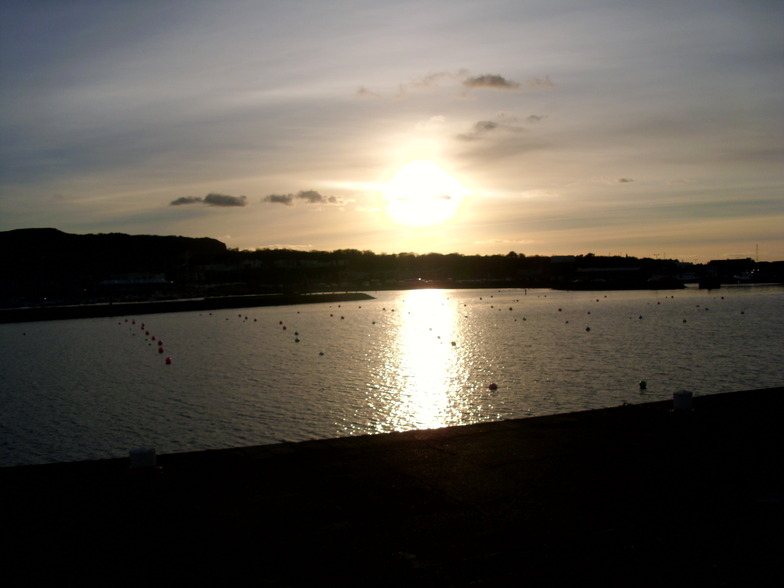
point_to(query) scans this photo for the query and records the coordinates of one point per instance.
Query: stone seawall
(640, 495)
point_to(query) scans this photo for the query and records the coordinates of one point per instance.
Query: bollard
(142, 458)
(681, 400)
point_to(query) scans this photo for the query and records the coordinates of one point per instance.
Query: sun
(421, 194)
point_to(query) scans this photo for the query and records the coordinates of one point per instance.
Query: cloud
(498, 138)
(364, 93)
(224, 200)
(211, 199)
(186, 200)
(491, 82)
(536, 118)
(309, 196)
(432, 123)
(540, 83)
(624, 180)
(429, 81)
(462, 77)
(484, 128)
(286, 199)
(504, 242)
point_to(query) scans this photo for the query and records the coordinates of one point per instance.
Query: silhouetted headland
(43, 267)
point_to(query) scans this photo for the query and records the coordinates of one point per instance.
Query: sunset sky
(541, 127)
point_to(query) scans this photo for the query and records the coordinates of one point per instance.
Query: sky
(544, 127)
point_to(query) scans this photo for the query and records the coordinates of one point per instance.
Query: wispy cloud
(211, 199)
(364, 93)
(544, 83)
(484, 128)
(464, 79)
(431, 80)
(307, 196)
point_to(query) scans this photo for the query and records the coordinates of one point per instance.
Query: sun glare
(422, 193)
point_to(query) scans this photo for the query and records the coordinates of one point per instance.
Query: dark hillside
(50, 264)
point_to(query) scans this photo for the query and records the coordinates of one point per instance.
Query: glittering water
(94, 388)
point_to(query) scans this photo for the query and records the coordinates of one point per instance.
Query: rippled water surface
(94, 388)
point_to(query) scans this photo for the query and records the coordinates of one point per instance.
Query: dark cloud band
(309, 196)
(211, 199)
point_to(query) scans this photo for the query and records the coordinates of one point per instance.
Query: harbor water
(96, 388)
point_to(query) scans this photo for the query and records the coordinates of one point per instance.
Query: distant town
(51, 267)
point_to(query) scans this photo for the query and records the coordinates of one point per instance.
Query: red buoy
(493, 386)
(168, 360)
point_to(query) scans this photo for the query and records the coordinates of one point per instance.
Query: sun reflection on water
(424, 371)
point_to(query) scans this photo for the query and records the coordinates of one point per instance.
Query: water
(94, 388)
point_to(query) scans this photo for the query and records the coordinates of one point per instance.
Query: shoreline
(47, 313)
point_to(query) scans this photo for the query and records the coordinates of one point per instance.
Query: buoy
(643, 384)
(168, 360)
(160, 349)
(587, 328)
(321, 353)
(296, 340)
(493, 386)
